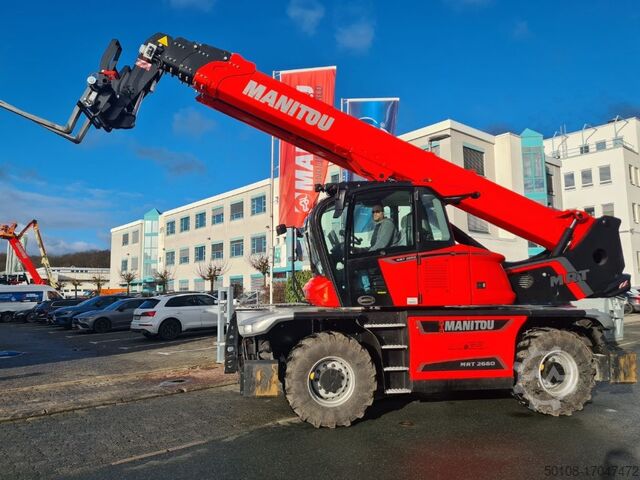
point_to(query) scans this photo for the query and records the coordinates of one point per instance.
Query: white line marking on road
(160, 452)
(147, 345)
(112, 340)
(629, 343)
(186, 350)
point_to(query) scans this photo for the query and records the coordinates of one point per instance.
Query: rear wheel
(330, 380)
(628, 308)
(102, 325)
(555, 371)
(6, 317)
(169, 329)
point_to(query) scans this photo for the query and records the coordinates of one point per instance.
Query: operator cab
(391, 244)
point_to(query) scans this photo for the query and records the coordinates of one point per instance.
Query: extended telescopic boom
(229, 83)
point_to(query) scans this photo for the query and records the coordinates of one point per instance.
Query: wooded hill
(90, 258)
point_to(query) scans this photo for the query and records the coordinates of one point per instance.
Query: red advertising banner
(300, 170)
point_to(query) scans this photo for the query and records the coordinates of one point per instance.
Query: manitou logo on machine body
(288, 105)
(569, 277)
(468, 325)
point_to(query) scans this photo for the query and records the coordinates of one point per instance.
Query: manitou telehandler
(433, 309)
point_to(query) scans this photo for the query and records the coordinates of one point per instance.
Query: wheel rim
(558, 373)
(171, 329)
(331, 381)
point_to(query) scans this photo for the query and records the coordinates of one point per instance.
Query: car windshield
(116, 305)
(89, 302)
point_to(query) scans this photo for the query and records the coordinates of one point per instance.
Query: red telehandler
(431, 310)
(8, 233)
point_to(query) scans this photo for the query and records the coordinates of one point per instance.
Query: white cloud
(200, 5)
(306, 14)
(176, 163)
(521, 30)
(356, 37)
(58, 246)
(460, 5)
(190, 122)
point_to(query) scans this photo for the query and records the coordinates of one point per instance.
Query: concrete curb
(41, 400)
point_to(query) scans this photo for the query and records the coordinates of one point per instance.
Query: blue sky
(496, 65)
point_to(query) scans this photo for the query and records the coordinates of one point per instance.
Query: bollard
(225, 312)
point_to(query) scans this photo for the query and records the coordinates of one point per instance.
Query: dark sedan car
(43, 311)
(63, 317)
(118, 315)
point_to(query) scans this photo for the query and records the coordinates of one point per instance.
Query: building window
(170, 258)
(199, 254)
(217, 250)
(183, 285)
(607, 209)
(618, 142)
(259, 244)
(198, 284)
(473, 160)
(638, 260)
(476, 224)
(601, 145)
(217, 215)
(171, 227)
(125, 239)
(123, 265)
(634, 211)
(584, 149)
(258, 205)
(605, 174)
(185, 224)
(135, 237)
(134, 263)
(590, 210)
(237, 284)
(237, 248)
(631, 175)
(569, 181)
(335, 178)
(184, 255)
(587, 179)
(237, 210)
(201, 220)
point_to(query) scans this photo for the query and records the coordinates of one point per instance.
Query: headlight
(245, 329)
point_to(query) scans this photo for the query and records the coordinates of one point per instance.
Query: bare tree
(261, 263)
(211, 271)
(98, 280)
(75, 283)
(128, 278)
(163, 278)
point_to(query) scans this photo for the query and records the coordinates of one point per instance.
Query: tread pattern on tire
(308, 352)
(539, 339)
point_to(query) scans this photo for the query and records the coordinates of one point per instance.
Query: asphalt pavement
(215, 433)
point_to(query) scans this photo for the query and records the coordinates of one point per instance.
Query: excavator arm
(227, 82)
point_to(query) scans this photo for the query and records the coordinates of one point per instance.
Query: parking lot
(58, 370)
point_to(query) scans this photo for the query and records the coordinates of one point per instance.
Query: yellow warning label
(164, 41)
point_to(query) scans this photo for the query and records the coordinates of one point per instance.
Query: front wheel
(628, 308)
(330, 380)
(102, 325)
(555, 371)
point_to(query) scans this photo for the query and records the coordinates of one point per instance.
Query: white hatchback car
(167, 316)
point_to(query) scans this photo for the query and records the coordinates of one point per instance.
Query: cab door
(382, 260)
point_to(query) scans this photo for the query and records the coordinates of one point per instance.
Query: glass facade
(537, 178)
(150, 245)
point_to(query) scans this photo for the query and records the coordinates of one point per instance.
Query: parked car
(118, 315)
(166, 316)
(632, 301)
(22, 315)
(42, 311)
(14, 298)
(63, 317)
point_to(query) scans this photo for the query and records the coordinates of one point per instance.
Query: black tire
(6, 317)
(169, 329)
(149, 334)
(349, 380)
(102, 325)
(628, 308)
(554, 371)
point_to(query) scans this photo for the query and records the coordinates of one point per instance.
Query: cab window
(433, 225)
(382, 221)
(333, 233)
